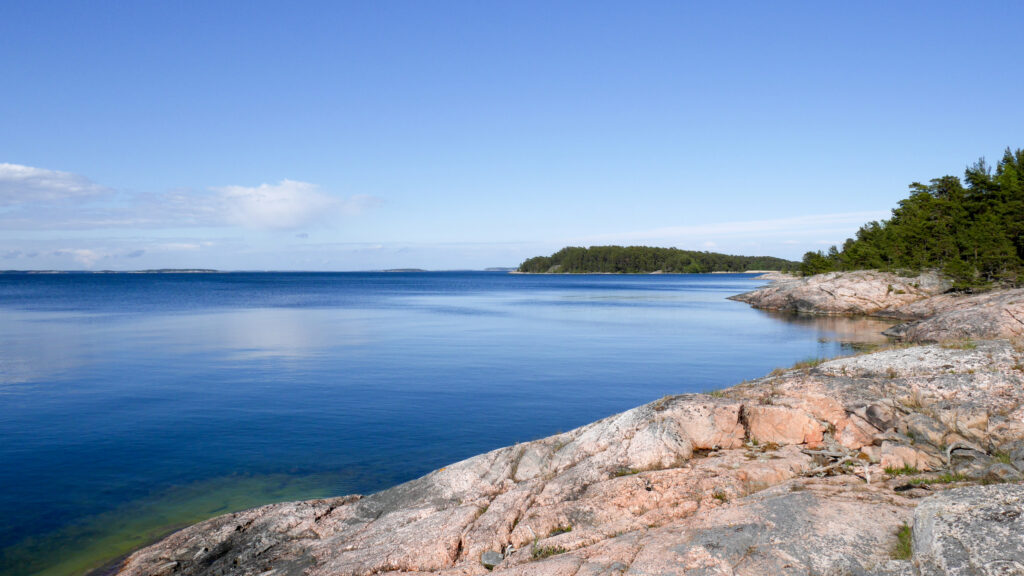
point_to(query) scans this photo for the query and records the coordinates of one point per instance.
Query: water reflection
(44, 346)
(843, 329)
(273, 332)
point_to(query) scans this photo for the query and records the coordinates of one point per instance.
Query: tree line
(645, 259)
(972, 229)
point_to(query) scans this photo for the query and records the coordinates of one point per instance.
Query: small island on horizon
(649, 260)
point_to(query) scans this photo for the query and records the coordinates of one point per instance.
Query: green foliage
(546, 551)
(809, 363)
(973, 233)
(645, 259)
(906, 470)
(904, 544)
(560, 530)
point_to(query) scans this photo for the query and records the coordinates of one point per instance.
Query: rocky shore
(931, 313)
(907, 460)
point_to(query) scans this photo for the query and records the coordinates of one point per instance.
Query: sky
(462, 135)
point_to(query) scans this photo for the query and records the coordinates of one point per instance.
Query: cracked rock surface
(783, 475)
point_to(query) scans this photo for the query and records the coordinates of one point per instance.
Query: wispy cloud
(40, 199)
(286, 205)
(28, 185)
(83, 256)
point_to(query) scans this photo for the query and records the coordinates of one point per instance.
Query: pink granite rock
(670, 487)
(783, 425)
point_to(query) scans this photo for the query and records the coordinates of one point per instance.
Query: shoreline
(761, 273)
(814, 431)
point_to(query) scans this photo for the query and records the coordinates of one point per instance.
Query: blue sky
(347, 136)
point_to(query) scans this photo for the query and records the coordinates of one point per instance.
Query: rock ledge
(810, 470)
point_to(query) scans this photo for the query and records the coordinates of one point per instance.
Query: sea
(135, 404)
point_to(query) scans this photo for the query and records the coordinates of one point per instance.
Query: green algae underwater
(95, 544)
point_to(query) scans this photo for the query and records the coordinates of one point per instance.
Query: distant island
(647, 260)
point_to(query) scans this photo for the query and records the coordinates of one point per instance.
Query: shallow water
(133, 404)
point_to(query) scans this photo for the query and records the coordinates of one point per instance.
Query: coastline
(739, 453)
(765, 274)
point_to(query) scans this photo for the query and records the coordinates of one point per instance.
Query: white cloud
(285, 205)
(39, 199)
(26, 184)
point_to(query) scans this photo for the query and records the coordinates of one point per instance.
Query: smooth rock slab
(973, 531)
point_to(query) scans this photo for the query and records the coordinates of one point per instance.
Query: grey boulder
(973, 531)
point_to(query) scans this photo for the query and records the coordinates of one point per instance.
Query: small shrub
(720, 496)
(1002, 457)
(624, 471)
(904, 540)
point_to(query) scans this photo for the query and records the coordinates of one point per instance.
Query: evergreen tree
(972, 232)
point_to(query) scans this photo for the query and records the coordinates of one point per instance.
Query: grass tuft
(546, 551)
(906, 470)
(560, 530)
(809, 363)
(904, 540)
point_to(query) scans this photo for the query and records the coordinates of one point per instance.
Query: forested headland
(971, 230)
(645, 259)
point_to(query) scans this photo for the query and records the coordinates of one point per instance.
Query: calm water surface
(133, 404)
